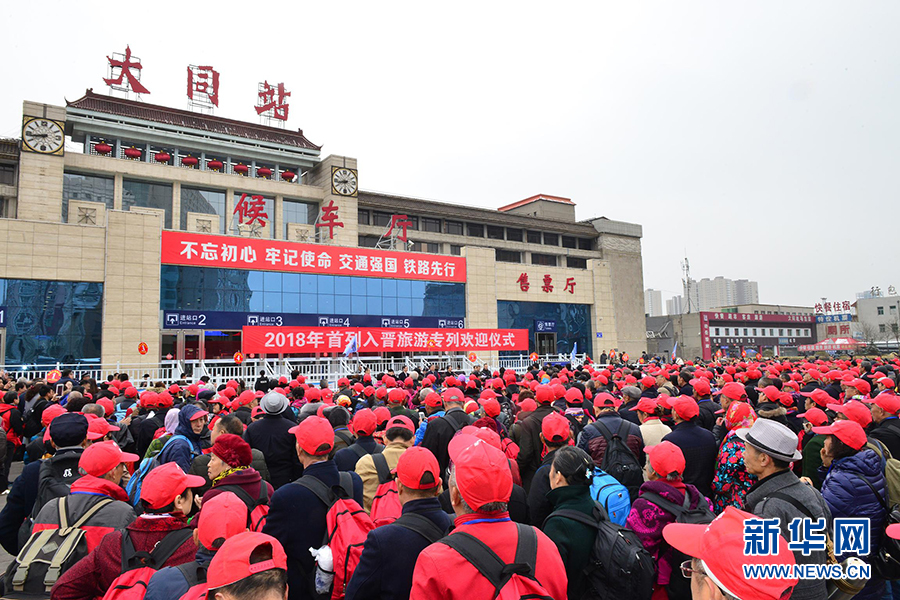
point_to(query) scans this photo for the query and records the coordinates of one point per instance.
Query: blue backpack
(148, 464)
(612, 495)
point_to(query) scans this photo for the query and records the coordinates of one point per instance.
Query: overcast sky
(761, 138)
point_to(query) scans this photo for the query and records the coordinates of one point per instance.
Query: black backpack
(55, 479)
(679, 587)
(49, 553)
(618, 459)
(620, 568)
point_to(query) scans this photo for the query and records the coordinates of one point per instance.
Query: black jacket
(700, 451)
(629, 415)
(147, 429)
(539, 506)
(888, 433)
(834, 390)
(708, 416)
(530, 444)
(270, 436)
(346, 458)
(439, 433)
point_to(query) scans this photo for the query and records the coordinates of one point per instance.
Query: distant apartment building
(674, 305)
(653, 304)
(707, 294)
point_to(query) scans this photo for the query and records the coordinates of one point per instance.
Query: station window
(86, 187)
(207, 202)
(551, 239)
(363, 217)
(508, 256)
(7, 174)
(576, 263)
(475, 230)
(455, 250)
(380, 219)
(534, 237)
(295, 211)
(513, 235)
(413, 222)
(368, 241)
(585, 244)
(454, 227)
(494, 232)
(547, 260)
(426, 247)
(433, 225)
(569, 242)
(148, 195)
(716, 331)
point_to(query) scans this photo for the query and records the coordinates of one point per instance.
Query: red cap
(555, 428)
(819, 396)
(606, 399)
(491, 407)
(685, 407)
(720, 548)
(816, 416)
(109, 407)
(488, 435)
(665, 458)
(98, 428)
(165, 483)
(738, 412)
(173, 389)
(861, 385)
(544, 394)
(222, 517)
(232, 562)
(343, 382)
(853, 410)
(647, 405)
(482, 471)
(401, 421)
(528, 405)
(574, 396)
(701, 386)
(397, 396)
(382, 414)
(849, 432)
(433, 399)
(200, 414)
(314, 435)
(364, 422)
(51, 412)
(453, 395)
(648, 381)
(887, 382)
(418, 469)
(735, 391)
(101, 458)
(130, 392)
(772, 393)
(889, 403)
(230, 393)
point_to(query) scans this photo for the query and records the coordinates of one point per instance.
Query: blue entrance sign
(218, 320)
(542, 326)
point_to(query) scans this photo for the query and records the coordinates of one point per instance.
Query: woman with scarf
(732, 481)
(230, 471)
(184, 445)
(163, 434)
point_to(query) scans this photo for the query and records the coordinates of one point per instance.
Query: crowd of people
(598, 481)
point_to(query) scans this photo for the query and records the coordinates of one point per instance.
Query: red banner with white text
(202, 250)
(291, 340)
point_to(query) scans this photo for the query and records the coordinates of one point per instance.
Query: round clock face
(43, 135)
(344, 182)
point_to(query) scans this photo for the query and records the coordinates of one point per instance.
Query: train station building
(136, 233)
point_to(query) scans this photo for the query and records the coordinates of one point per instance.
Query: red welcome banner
(201, 250)
(290, 340)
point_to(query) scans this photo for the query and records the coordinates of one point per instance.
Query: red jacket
(86, 492)
(441, 572)
(91, 576)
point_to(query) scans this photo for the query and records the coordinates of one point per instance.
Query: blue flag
(351, 347)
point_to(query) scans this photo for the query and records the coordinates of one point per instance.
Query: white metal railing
(316, 369)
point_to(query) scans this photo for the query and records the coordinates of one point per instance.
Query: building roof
(189, 120)
(9, 148)
(418, 206)
(526, 201)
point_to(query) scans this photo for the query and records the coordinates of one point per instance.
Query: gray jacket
(760, 503)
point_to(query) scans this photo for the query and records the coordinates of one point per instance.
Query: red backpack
(511, 582)
(10, 434)
(386, 506)
(346, 528)
(139, 567)
(258, 507)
